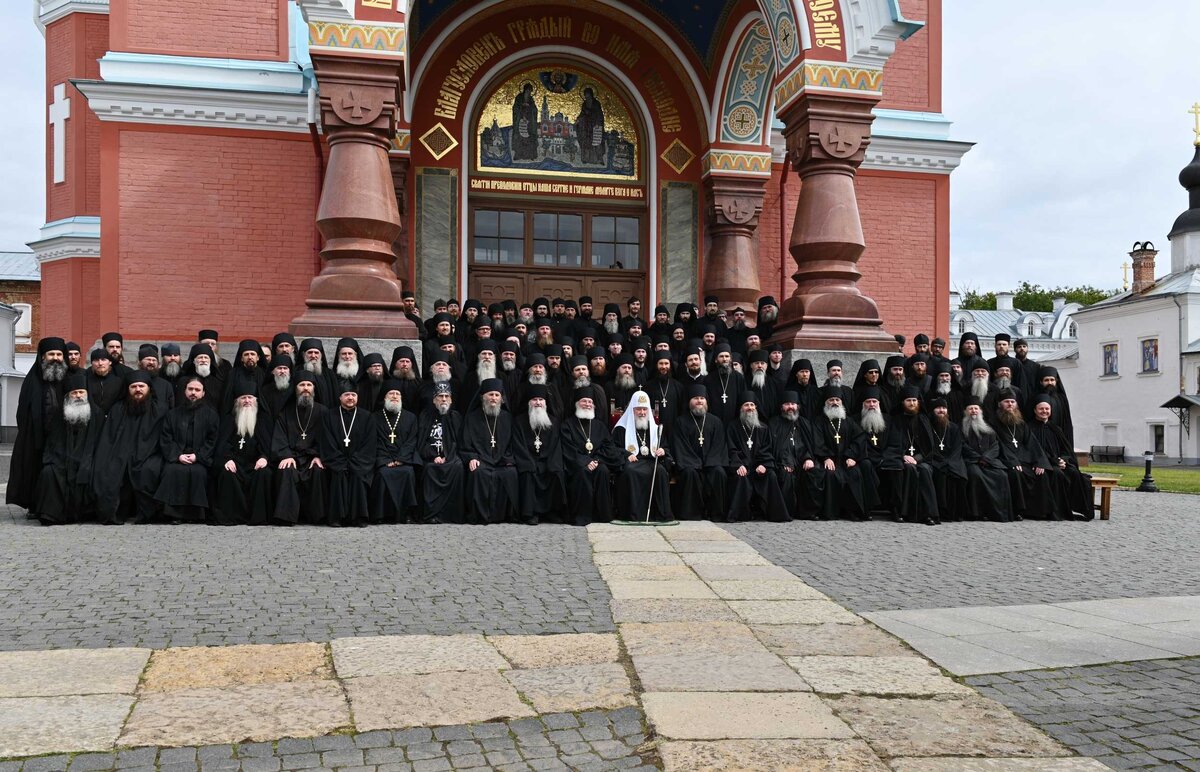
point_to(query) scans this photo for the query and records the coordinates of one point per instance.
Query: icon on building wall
(1110, 359)
(1150, 355)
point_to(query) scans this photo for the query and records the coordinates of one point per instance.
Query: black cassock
(1033, 494)
(492, 488)
(701, 460)
(752, 449)
(914, 489)
(300, 491)
(585, 441)
(845, 485)
(642, 484)
(64, 488)
(242, 497)
(945, 456)
(104, 392)
(881, 459)
(441, 483)
(989, 495)
(723, 392)
(1072, 488)
(38, 403)
(183, 489)
(803, 490)
(394, 491)
(348, 452)
(668, 399)
(128, 465)
(539, 471)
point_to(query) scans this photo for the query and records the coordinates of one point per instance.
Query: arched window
(1029, 329)
(1071, 330)
(962, 326)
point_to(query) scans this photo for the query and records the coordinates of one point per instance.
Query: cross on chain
(347, 441)
(493, 442)
(303, 435)
(749, 442)
(1014, 442)
(941, 446)
(537, 444)
(724, 397)
(702, 440)
(912, 451)
(836, 437)
(874, 440)
(392, 437)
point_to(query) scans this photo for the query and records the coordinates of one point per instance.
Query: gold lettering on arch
(825, 27)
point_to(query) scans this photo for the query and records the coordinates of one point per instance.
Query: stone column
(827, 138)
(357, 292)
(731, 266)
(399, 165)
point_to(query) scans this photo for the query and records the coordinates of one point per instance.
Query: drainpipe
(316, 143)
(1182, 374)
(783, 253)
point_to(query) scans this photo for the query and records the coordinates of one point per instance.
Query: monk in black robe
(589, 456)
(201, 361)
(394, 489)
(766, 387)
(840, 445)
(989, 494)
(752, 463)
(242, 489)
(370, 386)
(312, 360)
(162, 390)
(301, 482)
(405, 372)
(622, 386)
(1050, 387)
(128, 464)
(537, 451)
(484, 368)
(441, 377)
(245, 376)
(643, 487)
(442, 473)
(105, 386)
(801, 479)
(882, 456)
(945, 457)
(1033, 496)
(188, 444)
(348, 449)
(724, 385)
(802, 381)
(667, 395)
(348, 370)
(916, 495)
(486, 450)
(835, 382)
(39, 402)
(276, 391)
(1072, 488)
(64, 488)
(701, 457)
(536, 378)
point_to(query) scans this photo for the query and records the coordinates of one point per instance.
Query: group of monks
(541, 413)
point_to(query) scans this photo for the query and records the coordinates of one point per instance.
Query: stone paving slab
(637, 559)
(769, 589)
(526, 651)
(717, 672)
(712, 545)
(258, 712)
(829, 638)
(57, 673)
(647, 573)
(712, 573)
(719, 716)
(874, 675)
(37, 725)
(571, 688)
(682, 638)
(665, 610)
(194, 667)
(786, 612)
(632, 590)
(724, 559)
(397, 654)
(690, 533)
(434, 699)
(776, 755)
(997, 765)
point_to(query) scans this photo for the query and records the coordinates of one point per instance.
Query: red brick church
(274, 164)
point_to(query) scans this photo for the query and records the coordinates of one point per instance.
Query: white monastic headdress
(639, 399)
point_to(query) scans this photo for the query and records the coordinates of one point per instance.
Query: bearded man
(667, 395)
(243, 479)
(441, 377)
(114, 346)
(537, 451)
(484, 370)
(104, 385)
(752, 465)
(763, 385)
(621, 388)
(276, 391)
(840, 446)
(487, 451)
(128, 467)
(835, 382)
(300, 479)
(172, 365)
(64, 492)
(348, 450)
(989, 495)
(245, 376)
(802, 381)
(74, 358)
(701, 459)
(1033, 496)
(162, 390)
(348, 367)
(800, 478)
(1001, 382)
(589, 456)
(201, 363)
(915, 493)
(945, 457)
(188, 444)
(438, 434)
(893, 377)
(1050, 386)
(947, 388)
(394, 490)
(404, 370)
(643, 487)
(1072, 488)
(39, 403)
(509, 369)
(312, 360)
(724, 385)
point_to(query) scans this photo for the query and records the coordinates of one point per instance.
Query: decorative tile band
(384, 39)
(828, 76)
(733, 162)
(402, 142)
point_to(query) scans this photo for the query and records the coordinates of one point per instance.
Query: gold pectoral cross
(874, 440)
(392, 437)
(838, 438)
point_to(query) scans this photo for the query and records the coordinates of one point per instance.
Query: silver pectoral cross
(702, 440)
(537, 444)
(724, 398)
(749, 443)
(241, 443)
(493, 442)
(912, 451)
(303, 435)
(1014, 442)
(347, 441)
(941, 446)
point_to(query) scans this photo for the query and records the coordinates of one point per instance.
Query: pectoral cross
(838, 438)
(347, 441)
(537, 444)
(941, 446)
(724, 398)
(702, 440)
(392, 437)
(912, 451)
(792, 439)
(241, 443)
(749, 443)
(874, 440)
(303, 436)
(493, 442)
(1014, 442)
(663, 402)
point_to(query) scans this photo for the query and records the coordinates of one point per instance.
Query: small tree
(1034, 297)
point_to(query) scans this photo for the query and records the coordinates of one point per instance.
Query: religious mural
(557, 121)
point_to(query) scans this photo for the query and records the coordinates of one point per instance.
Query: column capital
(735, 201)
(731, 266)
(827, 129)
(358, 95)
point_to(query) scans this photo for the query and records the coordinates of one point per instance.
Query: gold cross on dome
(1196, 112)
(1125, 275)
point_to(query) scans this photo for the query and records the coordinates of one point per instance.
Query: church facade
(296, 164)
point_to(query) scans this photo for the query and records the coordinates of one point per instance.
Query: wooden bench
(1105, 485)
(1108, 453)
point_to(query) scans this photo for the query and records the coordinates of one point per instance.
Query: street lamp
(1148, 485)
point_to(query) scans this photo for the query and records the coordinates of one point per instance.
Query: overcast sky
(1078, 109)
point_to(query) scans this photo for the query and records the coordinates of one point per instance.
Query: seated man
(840, 445)
(754, 485)
(643, 488)
(187, 444)
(915, 491)
(301, 482)
(438, 435)
(348, 453)
(243, 478)
(64, 489)
(1023, 457)
(698, 448)
(538, 454)
(394, 490)
(945, 457)
(800, 478)
(128, 464)
(588, 457)
(487, 451)
(988, 490)
(1072, 488)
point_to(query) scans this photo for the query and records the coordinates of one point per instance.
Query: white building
(1140, 349)
(1050, 334)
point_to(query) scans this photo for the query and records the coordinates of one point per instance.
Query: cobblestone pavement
(881, 565)
(594, 740)
(157, 586)
(1139, 715)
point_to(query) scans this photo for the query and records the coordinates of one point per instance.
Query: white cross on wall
(60, 111)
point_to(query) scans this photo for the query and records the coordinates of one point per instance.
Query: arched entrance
(556, 178)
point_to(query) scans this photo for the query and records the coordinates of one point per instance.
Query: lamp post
(1147, 485)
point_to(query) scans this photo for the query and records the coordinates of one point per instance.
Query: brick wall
(25, 292)
(221, 28)
(215, 230)
(912, 76)
(70, 299)
(73, 46)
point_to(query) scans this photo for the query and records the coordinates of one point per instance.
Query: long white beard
(347, 370)
(976, 425)
(77, 412)
(625, 381)
(508, 365)
(247, 418)
(392, 406)
(581, 382)
(750, 420)
(837, 413)
(979, 387)
(491, 411)
(539, 419)
(171, 370)
(537, 379)
(612, 326)
(283, 382)
(943, 387)
(204, 370)
(442, 378)
(305, 401)
(443, 409)
(313, 366)
(405, 375)
(834, 380)
(53, 372)
(758, 378)
(872, 421)
(1002, 383)
(485, 370)
(641, 424)
(585, 414)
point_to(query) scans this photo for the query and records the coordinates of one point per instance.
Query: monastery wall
(68, 279)
(233, 29)
(73, 46)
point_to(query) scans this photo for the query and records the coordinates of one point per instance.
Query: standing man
(39, 402)
(128, 465)
(538, 454)
(438, 433)
(752, 464)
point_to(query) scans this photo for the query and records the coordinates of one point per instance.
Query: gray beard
(976, 425)
(539, 419)
(758, 379)
(1002, 383)
(283, 382)
(53, 372)
(537, 380)
(585, 415)
(724, 369)
(405, 375)
(872, 421)
(392, 406)
(442, 409)
(835, 413)
(246, 418)
(612, 327)
(834, 381)
(767, 315)
(440, 378)
(313, 366)
(641, 424)
(305, 401)
(491, 411)
(791, 415)
(77, 412)
(581, 382)
(347, 370)
(204, 370)
(943, 388)
(699, 412)
(625, 382)
(896, 382)
(750, 420)
(507, 365)
(979, 387)
(485, 370)
(171, 370)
